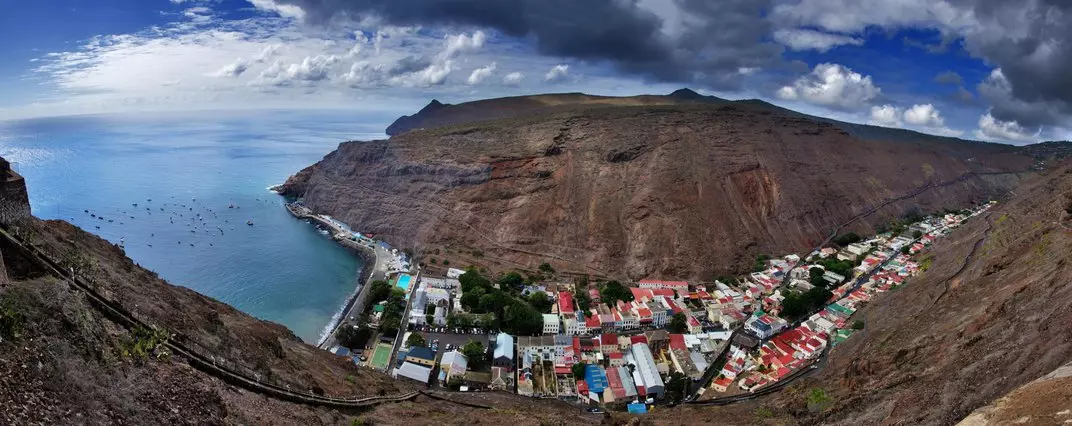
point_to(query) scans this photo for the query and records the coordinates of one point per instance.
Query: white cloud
(993, 129)
(806, 39)
(833, 86)
(434, 74)
(480, 74)
(283, 10)
(269, 51)
(310, 69)
(924, 115)
(234, 69)
(557, 74)
(513, 79)
(886, 115)
(462, 43)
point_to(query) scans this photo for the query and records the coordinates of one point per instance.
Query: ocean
(177, 190)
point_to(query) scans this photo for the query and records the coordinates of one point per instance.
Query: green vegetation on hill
(512, 312)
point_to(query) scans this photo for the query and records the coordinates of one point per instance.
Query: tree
(415, 340)
(521, 319)
(815, 277)
(546, 268)
(917, 233)
(472, 280)
(614, 291)
(475, 353)
(857, 325)
(353, 336)
(471, 299)
(541, 302)
(578, 370)
(906, 249)
(678, 323)
(583, 301)
(761, 262)
(378, 291)
(675, 387)
(511, 282)
(796, 304)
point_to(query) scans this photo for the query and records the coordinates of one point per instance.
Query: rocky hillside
(667, 189)
(63, 360)
(990, 314)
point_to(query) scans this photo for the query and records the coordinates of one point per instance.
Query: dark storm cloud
(1032, 43)
(718, 39)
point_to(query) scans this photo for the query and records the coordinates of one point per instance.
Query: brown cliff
(670, 190)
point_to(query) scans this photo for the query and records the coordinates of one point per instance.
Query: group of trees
(797, 305)
(761, 262)
(513, 313)
(354, 335)
(476, 354)
(613, 291)
(678, 323)
(415, 340)
(840, 267)
(846, 239)
(815, 277)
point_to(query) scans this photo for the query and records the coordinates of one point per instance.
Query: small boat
(249, 222)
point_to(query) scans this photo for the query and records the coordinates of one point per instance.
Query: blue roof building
(595, 377)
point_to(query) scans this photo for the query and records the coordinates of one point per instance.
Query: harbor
(379, 262)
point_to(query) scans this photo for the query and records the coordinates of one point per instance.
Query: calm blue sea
(184, 172)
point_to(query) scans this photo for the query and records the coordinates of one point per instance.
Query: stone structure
(14, 200)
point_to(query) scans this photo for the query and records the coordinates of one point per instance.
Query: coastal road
(379, 272)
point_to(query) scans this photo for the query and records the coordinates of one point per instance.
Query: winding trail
(183, 346)
(967, 260)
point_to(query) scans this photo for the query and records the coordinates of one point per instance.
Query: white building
(648, 371)
(454, 273)
(551, 324)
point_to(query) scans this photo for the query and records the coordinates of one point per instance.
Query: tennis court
(382, 356)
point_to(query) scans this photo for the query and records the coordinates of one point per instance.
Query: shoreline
(364, 276)
(370, 262)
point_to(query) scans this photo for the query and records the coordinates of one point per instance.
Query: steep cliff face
(991, 313)
(681, 191)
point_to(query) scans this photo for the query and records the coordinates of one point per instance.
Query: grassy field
(382, 356)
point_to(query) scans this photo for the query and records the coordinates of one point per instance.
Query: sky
(990, 70)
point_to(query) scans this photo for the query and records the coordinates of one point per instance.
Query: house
(504, 352)
(846, 255)
(608, 343)
(693, 324)
(442, 283)
(421, 355)
(551, 324)
(453, 364)
(833, 277)
(454, 273)
(681, 287)
(658, 340)
(858, 248)
(593, 294)
(763, 325)
(420, 373)
(565, 303)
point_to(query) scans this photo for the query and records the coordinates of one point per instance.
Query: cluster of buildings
(432, 299)
(884, 265)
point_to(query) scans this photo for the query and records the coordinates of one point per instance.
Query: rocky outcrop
(670, 190)
(14, 200)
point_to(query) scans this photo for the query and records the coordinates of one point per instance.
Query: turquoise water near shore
(184, 172)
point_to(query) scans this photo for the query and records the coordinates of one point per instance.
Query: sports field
(382, 356)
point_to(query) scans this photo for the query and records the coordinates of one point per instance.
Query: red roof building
(641, 294)
(638, 339)
(680, 286)
(594, 295)
(677, 341)
(565, 302)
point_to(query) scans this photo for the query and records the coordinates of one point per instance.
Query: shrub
(857, 325)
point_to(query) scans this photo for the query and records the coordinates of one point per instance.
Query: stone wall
(14, 199)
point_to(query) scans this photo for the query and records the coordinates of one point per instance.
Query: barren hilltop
(676, 186)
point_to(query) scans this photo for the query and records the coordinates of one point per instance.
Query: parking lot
(457, 340)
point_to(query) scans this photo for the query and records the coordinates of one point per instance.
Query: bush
(475, 353)
(857, 325)
(917, 233)
(546, 268)
(614, 291)
(846, 239)
(678, 323)
(578, 370)
(906, 249)
(142, 342)
(11, 321)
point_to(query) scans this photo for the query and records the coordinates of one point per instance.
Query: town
(610, 346)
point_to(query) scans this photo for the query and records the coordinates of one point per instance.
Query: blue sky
(939, 67)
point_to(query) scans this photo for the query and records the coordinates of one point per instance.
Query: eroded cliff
(675, 191)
